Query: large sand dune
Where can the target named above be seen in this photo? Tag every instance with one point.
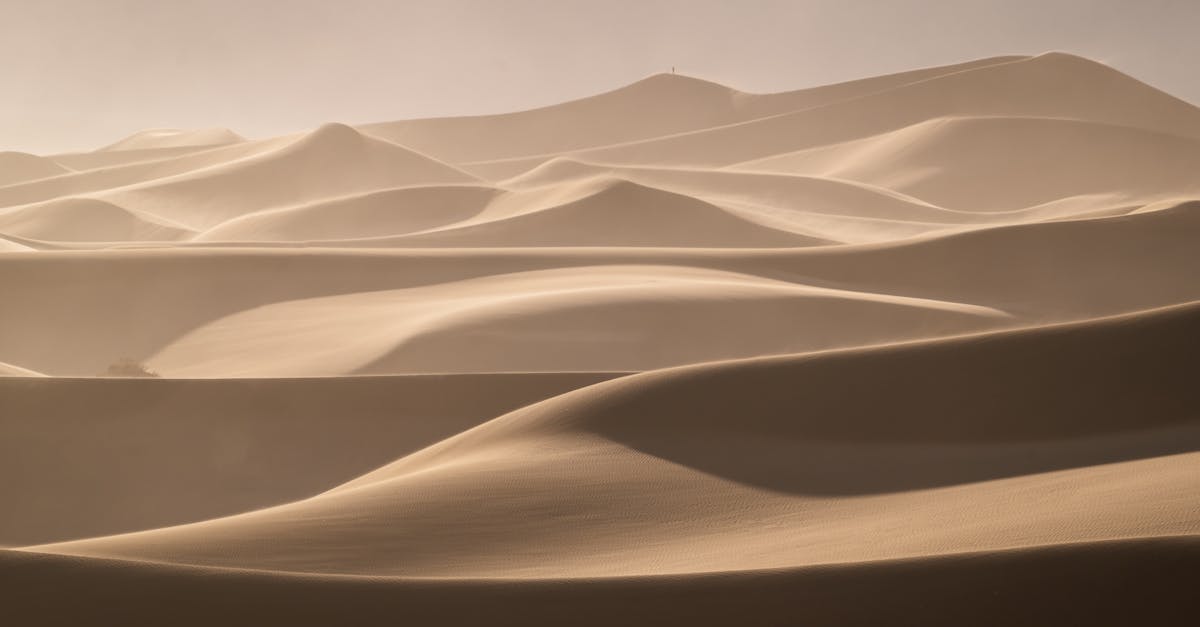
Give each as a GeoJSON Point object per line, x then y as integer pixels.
{"type": "Point", "coordinates": [915, 349]}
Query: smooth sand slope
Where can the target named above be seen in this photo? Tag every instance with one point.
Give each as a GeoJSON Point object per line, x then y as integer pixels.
{"type": "Point", "coordinates": [769, 463]}
{"type": "Point", "coordinates": [180, 451]}
{"type": "Point", "coordinates": [585, 318]}
{"type": "Point", "coordinates": [913, 349]}
{"type": "Point", "coordinates": [17, 167]}
{"type": "Point", "coordinates": [1001, 163]}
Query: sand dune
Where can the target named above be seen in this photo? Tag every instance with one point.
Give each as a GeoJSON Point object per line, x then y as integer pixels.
{"type": "Point", "coordinates": [678, 104]}
{"type": "Point", "coordinates": [333, 160]}
{"type": "Point", "coordinates": [17, 167]}
{"type": "Point", "coordinates": [603, 211]}
{"type": "Point", "coordinates": [1123, 582]}
{"type": "Point", "coordinates": [86, 219]}
{"type": "Point", "coordinates": [552, 320]}
{"type": "Point", "coordinates": [111, 173]}
{"type": "Point", "coordinates": [1007, 163]}
{"type": "Point", "coordinates": [834, 210]}
{"type": "Point", "coordinates": [181, 451]}
{"type": "Point", "coordinates": [110, 158]}
{"type": "Point", "coordinates": [371, 215]}
{"type": "Point", "coordinates": [614, 212]}
{"type": "Point", "coordinates": [673, 458]}
{"type": "Point", "coordinates": [911, 349]}
{"type": "Point", "coordinates": [1052, 85]}
{"type": "Point", "coordinates": [175, 138]}
{"type": "Point", "coordinates": [148, 299]}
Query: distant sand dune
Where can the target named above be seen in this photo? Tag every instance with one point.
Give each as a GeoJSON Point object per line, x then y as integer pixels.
{"type": "Point", "coordinates": [1003, 164]}
{"type": "Point", "coordinates": [86, 219]}
{"type": "Point", "coordinates": [118, 173]}
{"type": "Point", "coordinates": [912, 349]}
{"type": "Point", "coordinates": [17, 167]}
{"type": "Point", "coordinates": [1027, 88]}
{"type": "Point", "coordinates": [566, 319]}
{"type": "Point", "coordinates": [148, 299]}
{"type": "Point", "coordinates": [96, 160]}
{"type": "Point", "coordinates": [680, 104]}
{"type": "Point", "coordinates": [175, 138]}
{"type": "Point", "coordinates": [375, 214]}
{"type": "Point", "coordinates": [332, 161]}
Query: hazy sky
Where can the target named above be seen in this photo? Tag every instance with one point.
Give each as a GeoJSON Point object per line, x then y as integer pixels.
{"type": "Point", "coordinates": [77, 74]}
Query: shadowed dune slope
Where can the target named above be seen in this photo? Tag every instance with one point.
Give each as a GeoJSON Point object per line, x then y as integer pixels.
{"type": "Point", "coordinates": [921, 394]}
{"type": "Point", "coordinates": [1125, 582]}
{"type": "Point", "coordinates": [127, 454]}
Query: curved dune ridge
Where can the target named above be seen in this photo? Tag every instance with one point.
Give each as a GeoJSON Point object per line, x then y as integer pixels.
{"type": "Point", "coordinates": [671, 354]}
{"type": "Point", "coordinates": [582, 318]}
{"type": "Point", "coordinates": [86, 219]}
{"type": "Point", "coordinates": [1006, 163]}
{"type": "Point", "coordinates": [368, 216]}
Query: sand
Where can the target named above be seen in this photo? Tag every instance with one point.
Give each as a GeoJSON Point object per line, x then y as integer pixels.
{"type": "Point", "coordinates": [915, 349]}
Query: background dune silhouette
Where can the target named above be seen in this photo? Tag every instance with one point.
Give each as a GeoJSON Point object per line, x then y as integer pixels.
{"type": "Point", "coordinates": [671, 351]}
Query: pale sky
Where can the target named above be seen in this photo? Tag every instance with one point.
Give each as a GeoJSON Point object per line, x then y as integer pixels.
{"type": "Point", "coordinates": [78, 74]}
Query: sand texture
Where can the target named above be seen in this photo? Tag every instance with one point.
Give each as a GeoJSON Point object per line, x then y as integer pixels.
{"type": "Point", "coordinates": [919, 349]}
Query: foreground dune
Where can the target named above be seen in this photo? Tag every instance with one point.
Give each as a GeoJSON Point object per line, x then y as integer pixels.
{"type": "Point", "coordinates": [767, 464]}
{"type": "Point", "coordinates": [180, 451]}
{"type": "Point", "coordinates": [1123, 582]}
{"type": "Point", "coordinates": [913, 349]}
